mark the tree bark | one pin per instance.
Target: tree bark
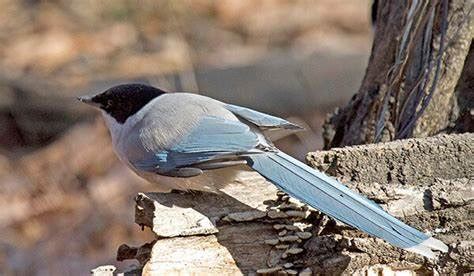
(408, 90)
(463, 119)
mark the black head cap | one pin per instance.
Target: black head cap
(122, 101)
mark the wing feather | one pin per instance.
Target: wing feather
(212, 138)
(261, 119)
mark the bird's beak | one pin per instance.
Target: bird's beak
(88, 100)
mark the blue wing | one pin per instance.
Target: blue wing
(215, 134)
(211, 139)
(261, 119)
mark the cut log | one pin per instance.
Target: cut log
(426, 182)
(197, 213)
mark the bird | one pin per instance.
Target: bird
(186, 141)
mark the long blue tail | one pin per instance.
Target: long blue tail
(336, 200)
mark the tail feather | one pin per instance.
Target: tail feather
(336, 200)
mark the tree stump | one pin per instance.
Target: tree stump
(253, 229)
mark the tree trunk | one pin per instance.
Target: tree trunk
(408, 90)
(464, 114)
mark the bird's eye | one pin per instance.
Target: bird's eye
(108, 104)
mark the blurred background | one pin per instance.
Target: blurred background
(66, 204)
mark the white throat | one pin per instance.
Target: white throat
(115, 127)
